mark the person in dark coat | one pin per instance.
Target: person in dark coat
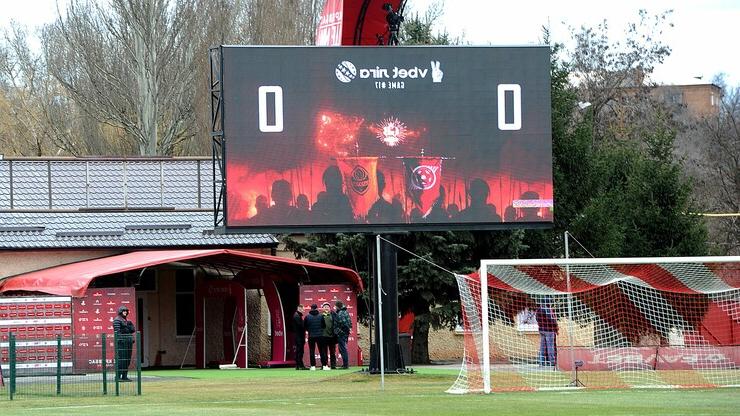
(329, 337)
(313, 325)
(300, 337)
(123, 330)
(342, 329)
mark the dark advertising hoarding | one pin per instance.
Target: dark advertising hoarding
(374, 138)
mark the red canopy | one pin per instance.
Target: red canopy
(73, 279)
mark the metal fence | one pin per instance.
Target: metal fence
(103, 364)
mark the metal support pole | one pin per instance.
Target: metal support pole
(59, 365)
(104, 362)
(115, 362)
(11, 346)
(570, 315)
(138, 363)
(486, 370)
(380, 315)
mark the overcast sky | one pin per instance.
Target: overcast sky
(704, 39)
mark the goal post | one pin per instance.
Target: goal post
(600, 323)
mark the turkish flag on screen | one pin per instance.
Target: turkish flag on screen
(423, 176)
(361, 180)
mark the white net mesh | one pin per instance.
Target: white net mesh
(603, 324)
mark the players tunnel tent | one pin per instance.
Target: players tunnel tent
(218, 289)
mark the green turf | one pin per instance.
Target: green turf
(290, 392)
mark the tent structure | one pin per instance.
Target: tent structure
(73, 279)
(220, 293)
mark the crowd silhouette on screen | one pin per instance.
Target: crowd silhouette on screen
(333, 206)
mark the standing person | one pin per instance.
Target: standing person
(329, 338)
(123, 330)
(547, 323)
(300, 337)
(342, 328)
(313, 323)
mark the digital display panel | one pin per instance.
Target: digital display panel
(386, 138)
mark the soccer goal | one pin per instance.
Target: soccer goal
(600, 323)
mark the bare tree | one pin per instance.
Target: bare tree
(240, 22)
(131, 76)
(129, 64)
(614, 75)
(40, 120)
(283, 22)
(718, 170)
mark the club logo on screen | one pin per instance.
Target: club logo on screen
(360, 180)
(424, 177)
(345, 71)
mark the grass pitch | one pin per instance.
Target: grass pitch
(290, 392)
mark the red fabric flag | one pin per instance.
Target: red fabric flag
(361, 182)
(329, 29)
(423, 176)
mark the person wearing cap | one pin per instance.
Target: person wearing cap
(314, 326)
(342, 327)
(329, 337)
(123, 330)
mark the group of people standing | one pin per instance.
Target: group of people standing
(326, 330)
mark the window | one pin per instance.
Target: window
(184, 302)
(676, 98)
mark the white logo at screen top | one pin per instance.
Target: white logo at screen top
(345, 71)
(437, 73)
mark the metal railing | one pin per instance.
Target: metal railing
(88, 366)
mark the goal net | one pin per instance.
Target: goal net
(600, 323)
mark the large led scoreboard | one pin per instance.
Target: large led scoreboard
(379, 138)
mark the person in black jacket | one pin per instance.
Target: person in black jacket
(342, 329)
(312, 324)
(123, 330)
(329, 338)
(300, 337)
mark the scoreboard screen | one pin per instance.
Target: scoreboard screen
(327, 139)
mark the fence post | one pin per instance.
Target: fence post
(59, 365)
(115, 361)
(138, 363)
(104, 363)
(11, 347)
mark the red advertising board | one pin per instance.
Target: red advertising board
(319, 294)
(655, 358)
(329, 29)
(93, 315)
(36, 323)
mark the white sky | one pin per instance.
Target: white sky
(704, 38)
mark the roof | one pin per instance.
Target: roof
(89, 183)
(111, 203)
(73, 279)
(129, 229)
